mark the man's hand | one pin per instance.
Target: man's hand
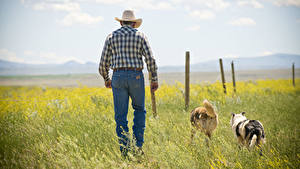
(108, 84)
(154, 86)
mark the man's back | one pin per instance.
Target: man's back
(127, 48)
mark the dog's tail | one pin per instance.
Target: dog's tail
(210, 110)
(253, 141)
(257, 139)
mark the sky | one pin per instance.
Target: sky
(57, 31)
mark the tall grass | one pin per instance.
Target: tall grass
(75, 128)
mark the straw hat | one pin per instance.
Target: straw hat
(128, 15)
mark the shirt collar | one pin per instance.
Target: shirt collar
(127, 28)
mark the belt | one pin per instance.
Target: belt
(128, 68)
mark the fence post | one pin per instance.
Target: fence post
(187, 79)
(293, 74)
(222, 74)
(233, 76)
(152, 98)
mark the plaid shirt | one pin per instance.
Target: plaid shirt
(125, 48)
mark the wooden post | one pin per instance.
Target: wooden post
(233, 77)
(152, 98)
(187, 80)
(222, 75)
(293, 74)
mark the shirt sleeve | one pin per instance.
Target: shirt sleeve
(105, 59)
(149, 59)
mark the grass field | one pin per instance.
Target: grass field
(74, 127)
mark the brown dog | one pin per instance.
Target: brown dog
(204, 119)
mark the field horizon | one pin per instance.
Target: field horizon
(95, 80)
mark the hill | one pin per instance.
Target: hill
(276, 61)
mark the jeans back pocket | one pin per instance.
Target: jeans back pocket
(116, 81)
(137, 80)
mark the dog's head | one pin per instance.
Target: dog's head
(236, 118)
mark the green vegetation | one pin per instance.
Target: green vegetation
(75, 128)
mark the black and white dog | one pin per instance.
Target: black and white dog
(248, 132)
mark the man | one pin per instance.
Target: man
(123, 52)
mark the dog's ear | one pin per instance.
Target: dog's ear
(232, 114)
(243, 113)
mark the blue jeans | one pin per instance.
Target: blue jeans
(125, 84)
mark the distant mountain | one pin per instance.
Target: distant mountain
(72, 63)
(70, 67)
(7, 65)
(276, 61)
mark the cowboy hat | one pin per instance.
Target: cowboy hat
(128, 15)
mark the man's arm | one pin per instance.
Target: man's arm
(151, 64)
(105, 62)
(149, 59)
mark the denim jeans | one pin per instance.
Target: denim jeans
(125, 84)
